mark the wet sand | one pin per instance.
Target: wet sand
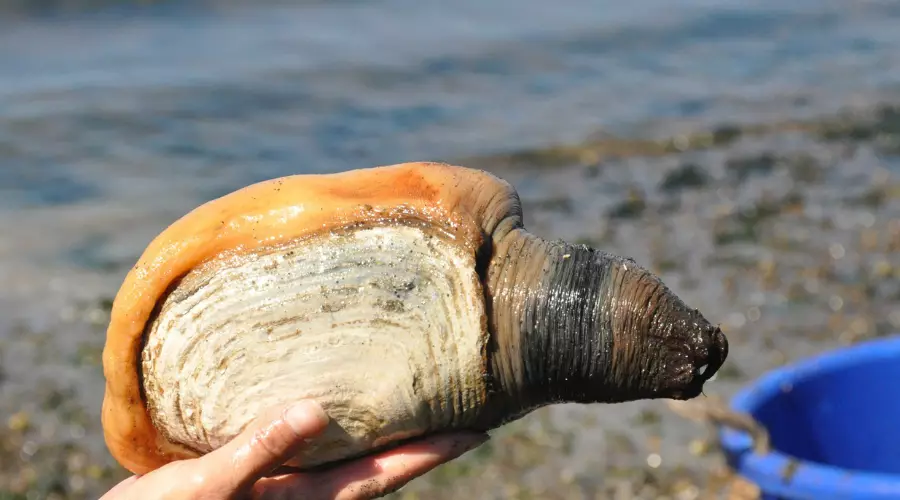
(789, 236)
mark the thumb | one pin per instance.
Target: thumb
(263, 446)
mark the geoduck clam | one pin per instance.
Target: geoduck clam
(406, 299)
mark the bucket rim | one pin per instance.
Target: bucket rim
(779, 473)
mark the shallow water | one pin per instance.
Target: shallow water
(114, 123)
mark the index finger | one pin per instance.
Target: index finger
(263, 446)
(372, 476)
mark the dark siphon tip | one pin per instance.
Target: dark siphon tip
(717, 353)
(670, 349)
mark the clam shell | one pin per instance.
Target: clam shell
(383, 326)
(360, 289)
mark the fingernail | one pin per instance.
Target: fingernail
(305, 417)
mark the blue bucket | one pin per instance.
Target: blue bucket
(833, 423)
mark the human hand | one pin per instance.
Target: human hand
(241, 469)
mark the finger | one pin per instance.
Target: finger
(263, 446)
(396, 468)
(371, 477)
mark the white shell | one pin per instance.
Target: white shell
(384, 326)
